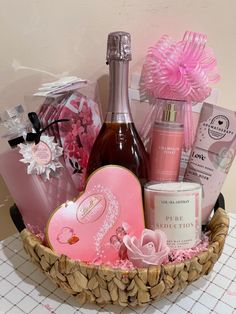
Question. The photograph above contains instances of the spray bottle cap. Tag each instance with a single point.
(169, 114)
(13, 120)
(11, 113)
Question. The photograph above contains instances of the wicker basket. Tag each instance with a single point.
(100, 284)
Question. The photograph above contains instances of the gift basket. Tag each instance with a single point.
(139, 286)
(112, 214)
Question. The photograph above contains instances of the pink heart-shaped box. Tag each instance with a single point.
(92, 227)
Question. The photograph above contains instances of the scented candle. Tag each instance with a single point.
(175, 208)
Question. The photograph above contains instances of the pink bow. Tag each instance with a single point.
(183, 71)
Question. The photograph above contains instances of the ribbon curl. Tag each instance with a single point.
(34, 119)
(33, 136)
(181, 70)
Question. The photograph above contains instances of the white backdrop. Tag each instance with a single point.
(60, 36)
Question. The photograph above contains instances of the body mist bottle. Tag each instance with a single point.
(167, 142)
(118, 141)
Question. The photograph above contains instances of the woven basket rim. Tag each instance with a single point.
(103, 284)
(218, 213)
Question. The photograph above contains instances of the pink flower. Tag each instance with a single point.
(72, 149)
(77, 128)
(76, 101)
(88, 138)
(150, 249)
(86, 114)
(83, 157)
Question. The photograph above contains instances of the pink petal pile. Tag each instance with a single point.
(177, 256)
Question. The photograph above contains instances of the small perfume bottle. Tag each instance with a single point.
(167, 142)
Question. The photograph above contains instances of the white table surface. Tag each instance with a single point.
(24, 289)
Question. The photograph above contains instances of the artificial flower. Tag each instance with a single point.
(150, 249)
(36, 162)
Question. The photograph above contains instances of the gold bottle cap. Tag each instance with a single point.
(169, 114)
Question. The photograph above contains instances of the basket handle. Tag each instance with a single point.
(220, 202)
(17, 218)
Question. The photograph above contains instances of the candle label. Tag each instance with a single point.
(175, 215)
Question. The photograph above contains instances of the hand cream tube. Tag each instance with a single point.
(212, 154)
(196, 110)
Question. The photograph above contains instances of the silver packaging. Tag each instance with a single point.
(118, 46)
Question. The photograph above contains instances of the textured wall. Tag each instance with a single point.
(70, 36)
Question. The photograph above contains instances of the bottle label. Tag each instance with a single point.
(42, 159)
(165, 154)
(91, 208)
(41, 153)
(118, 117)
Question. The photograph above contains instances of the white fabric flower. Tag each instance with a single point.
(43, 158)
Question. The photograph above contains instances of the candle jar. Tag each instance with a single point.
(174, 208)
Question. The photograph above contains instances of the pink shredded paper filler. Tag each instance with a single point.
(175, 256)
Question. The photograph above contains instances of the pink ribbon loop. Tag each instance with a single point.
(181, 70)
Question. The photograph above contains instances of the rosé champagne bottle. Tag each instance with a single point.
(118, 141)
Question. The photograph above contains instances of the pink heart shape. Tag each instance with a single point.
(111, 200)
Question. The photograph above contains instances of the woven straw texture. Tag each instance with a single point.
(101, 285)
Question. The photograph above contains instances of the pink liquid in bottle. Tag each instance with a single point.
(166, 148)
